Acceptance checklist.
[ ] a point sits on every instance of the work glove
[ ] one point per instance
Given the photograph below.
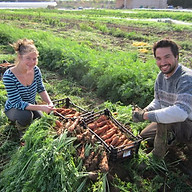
(137, 114)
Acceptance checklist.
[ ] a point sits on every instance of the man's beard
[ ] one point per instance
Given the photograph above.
(171, 69)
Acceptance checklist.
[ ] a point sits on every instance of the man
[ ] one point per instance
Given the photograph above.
(171, 109)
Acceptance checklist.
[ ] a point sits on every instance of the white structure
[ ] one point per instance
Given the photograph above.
(26, 5)
(130, 4)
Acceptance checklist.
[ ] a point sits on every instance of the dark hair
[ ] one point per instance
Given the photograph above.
(166, 43)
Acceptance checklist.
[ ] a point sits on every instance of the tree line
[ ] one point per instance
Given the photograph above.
(182, 3)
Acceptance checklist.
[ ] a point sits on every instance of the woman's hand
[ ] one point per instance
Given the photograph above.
(47, 108)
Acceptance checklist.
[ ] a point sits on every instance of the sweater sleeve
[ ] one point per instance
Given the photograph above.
(180, 109)
(170, 114)
(12, 92)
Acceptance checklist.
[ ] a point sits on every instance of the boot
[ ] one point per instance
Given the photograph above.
(20, 127)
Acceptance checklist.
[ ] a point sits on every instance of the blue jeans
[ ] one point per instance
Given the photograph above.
(23, 117)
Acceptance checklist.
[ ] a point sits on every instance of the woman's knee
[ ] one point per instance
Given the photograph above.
(23, 117)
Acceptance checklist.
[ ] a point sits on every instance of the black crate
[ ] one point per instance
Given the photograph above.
(67, 103)
(115, 153)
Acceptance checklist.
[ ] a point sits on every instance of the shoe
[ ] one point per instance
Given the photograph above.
(20, 127)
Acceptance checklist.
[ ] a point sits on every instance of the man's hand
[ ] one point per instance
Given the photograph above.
(137, 115)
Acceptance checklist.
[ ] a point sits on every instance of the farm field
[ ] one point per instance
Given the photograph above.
(99, 59)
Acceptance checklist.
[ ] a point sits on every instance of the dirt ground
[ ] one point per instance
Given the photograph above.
(178, 160)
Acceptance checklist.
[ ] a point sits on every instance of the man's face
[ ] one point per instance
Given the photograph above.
(166, 61)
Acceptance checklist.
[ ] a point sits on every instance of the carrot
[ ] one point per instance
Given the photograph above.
(79, 137)
(122, 138)
(76, 114)
(109, 139)
(111, 128)
(69, 115)
(73, 111)
(88, 160)
(112, 124)
(109, 134)
(92, 126)
(66, 111)
(72, 127)
(82, 154)
(125, 143)
(129, 143)
(122, 144)
(104, 166)
(101, 130)
(59, 110)
(101, 118)
(58, 123)
(69, 123)
(102, 123)
(114, 141)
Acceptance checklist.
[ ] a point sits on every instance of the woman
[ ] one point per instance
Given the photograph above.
(23, 82)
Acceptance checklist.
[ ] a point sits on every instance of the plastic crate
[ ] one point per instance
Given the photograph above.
(115, 153)
(67, 103)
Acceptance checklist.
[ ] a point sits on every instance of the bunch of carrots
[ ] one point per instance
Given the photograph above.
(97, 159)
(72, 116)
(109, 132)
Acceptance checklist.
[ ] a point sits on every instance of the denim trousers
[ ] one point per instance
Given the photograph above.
(23, 117)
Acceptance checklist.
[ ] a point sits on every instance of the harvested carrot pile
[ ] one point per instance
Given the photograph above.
(94, 161)
(96, 136)
(4, 67)
(69, 119)
(109, 132)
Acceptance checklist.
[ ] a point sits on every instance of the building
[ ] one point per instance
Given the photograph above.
(130, 4)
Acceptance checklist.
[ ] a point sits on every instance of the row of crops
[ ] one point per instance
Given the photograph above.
(97, 65)
(117, 76)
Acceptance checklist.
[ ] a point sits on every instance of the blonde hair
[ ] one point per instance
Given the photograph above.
(24, 46)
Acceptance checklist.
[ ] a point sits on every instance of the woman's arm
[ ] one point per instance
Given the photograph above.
(45, 108)
(45, 97)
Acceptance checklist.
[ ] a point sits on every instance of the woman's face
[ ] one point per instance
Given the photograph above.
(29, 60)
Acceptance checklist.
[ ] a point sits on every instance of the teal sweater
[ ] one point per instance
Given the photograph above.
(173, 97)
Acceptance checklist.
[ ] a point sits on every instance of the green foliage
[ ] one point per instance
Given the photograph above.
(45, 163)
(85, 27)
(3, 118)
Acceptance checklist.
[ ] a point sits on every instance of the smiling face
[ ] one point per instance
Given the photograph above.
(29, 60)
(166, 61)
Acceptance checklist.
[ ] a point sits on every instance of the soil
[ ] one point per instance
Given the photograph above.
(184, 157)
(178, 160)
